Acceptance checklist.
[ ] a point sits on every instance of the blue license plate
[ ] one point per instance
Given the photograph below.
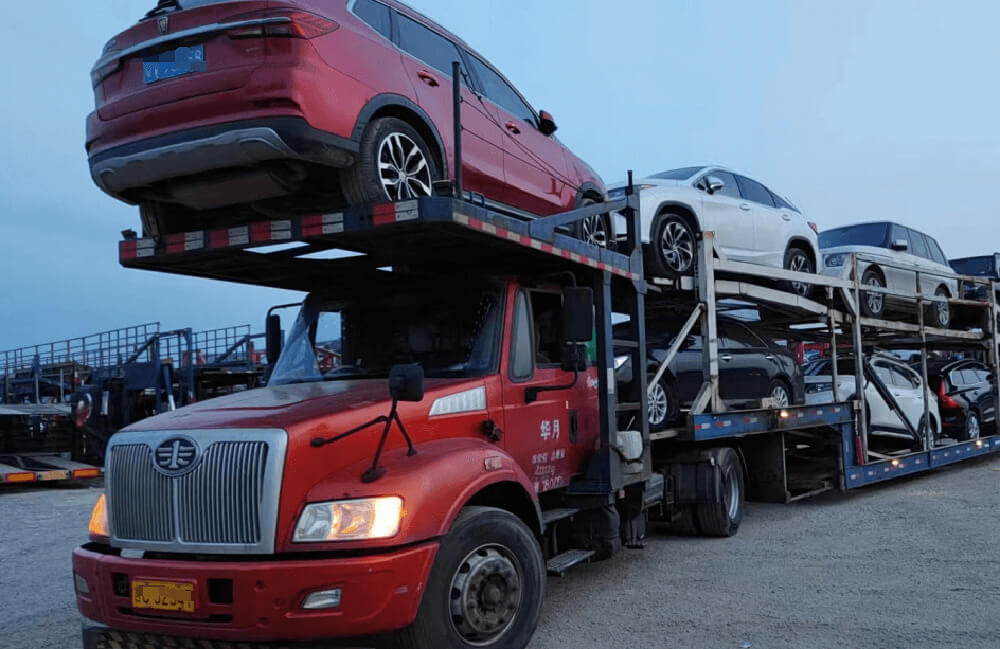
(166, 65)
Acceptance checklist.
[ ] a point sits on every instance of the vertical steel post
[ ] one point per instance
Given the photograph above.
(859, 359)
(832, 325)
(994, 342)
(705, 283)
(456, 107)
(928, 430)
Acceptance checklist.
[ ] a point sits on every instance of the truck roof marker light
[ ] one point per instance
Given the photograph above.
(20, 476)
(80, 474)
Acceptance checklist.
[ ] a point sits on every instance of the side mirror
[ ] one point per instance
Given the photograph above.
(714, 184)
(546, 123)
(900, 245)
(578, 315)
(273, 338)
(406, 382)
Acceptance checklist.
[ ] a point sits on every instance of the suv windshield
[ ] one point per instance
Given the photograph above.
(865, 234)
(678, 174)
(452, 333)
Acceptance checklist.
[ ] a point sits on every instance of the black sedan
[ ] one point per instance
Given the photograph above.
(967, 397)
(751, 368)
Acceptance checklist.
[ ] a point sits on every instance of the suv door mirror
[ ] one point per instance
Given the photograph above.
(406, 382)
(900, 245)
(273, 339)
(546, 123)
(714, 184)
(578, 315)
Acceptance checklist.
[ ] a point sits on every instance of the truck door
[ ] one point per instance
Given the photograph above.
(552, 436)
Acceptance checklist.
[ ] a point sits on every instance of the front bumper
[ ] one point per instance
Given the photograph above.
(380, 593)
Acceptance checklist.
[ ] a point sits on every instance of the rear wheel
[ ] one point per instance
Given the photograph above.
(939, 313)
(872, 303)
(780, 394)
(594, 230)
(394, 163)
(798, 260)
(485, 589)
(674, 246)
(973, 427)
(724, 518)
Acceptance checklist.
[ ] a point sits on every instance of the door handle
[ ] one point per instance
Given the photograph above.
(786, 217)
(513, 127)
(428, 78)
(745, 207)
(725, 357)
(768, 357)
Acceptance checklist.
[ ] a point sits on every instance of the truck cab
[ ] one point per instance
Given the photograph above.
(345, 497)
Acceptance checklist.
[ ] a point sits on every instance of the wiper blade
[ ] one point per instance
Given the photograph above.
(162, 6)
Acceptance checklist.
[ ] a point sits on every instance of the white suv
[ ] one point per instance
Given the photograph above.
(880, 244)
(751, 223)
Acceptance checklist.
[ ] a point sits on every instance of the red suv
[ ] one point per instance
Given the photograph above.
(215, 110)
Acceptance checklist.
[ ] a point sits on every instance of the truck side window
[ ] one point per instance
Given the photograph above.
(546, 309)
(521, 359)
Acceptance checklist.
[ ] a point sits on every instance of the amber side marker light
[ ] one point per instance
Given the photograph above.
(99, 520)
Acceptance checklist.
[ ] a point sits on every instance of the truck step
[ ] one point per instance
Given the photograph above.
(559, 564)
(550, 516)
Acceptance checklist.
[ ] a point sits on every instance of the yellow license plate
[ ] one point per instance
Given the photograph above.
(163, 595)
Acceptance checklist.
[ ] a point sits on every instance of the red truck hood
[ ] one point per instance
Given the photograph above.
(284, 406)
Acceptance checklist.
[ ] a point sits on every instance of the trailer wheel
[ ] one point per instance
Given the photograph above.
(485, 589)
(394, 163)
(723, 519)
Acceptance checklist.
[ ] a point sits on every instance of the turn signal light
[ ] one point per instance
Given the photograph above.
(99, 521)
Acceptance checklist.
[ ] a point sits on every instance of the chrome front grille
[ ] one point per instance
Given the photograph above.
(228, 501)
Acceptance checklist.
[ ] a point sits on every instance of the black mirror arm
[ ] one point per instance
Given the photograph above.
(375, 471)
(531, 394)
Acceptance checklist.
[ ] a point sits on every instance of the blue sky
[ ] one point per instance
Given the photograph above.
(855, 110)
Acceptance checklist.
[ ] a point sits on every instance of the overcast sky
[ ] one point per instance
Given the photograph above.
(854, 110)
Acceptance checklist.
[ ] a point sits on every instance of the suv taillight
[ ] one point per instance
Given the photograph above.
(946, 401)
(281, 23)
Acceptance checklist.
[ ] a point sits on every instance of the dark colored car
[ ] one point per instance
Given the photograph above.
(751, 368)
(985, 266)
(967, 397)
(208, 110)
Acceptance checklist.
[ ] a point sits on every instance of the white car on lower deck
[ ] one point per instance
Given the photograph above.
(751, 223)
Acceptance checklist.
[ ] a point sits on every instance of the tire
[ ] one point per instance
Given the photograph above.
(798, 259)
(484, 547)
(661, 402)
(684, 524)
(395, 143)
(595, 230)
(780, 391)
(723, 519)
(872, 304)
(675, 246)
(939, 314)
(973, 428)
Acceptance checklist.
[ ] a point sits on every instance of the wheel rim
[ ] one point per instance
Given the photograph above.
(874, 300)
(677, 246)
(485, 594)
(659, 405)
(595, 232)
(799, 262)
(403, 168)
(943, 308)
(780, 396)
(732, 496)
(972, 427)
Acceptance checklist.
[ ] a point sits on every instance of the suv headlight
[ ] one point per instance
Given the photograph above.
(833, 261)
(350, 520)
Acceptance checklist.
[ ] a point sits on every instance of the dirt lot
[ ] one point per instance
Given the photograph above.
(907, 565)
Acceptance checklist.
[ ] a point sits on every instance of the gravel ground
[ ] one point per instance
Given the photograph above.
(906, 565)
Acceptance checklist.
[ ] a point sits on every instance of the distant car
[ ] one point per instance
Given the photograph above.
(751, 368)
(751, 223)
(894, 254)
(214, 110)
(967, 396)
(902, 381)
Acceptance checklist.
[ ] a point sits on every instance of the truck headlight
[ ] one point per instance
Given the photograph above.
(834, 261)
(350, 520)
(99, 521)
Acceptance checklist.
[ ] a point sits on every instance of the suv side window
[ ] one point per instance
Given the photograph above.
(935, 251)
(500, 92)
(730, 189)
(918, 245)
(430, 47)
(522, 351)
(754, 191)
(376, 15)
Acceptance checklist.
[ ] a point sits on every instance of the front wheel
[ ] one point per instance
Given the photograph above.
(485, 589)
(675, 246)
(798, 260)
(780, 394)
(394, 163)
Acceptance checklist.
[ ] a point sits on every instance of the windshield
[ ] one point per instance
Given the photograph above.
(981, 266)
(678, 174)
(866, 234)
(453, 333)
